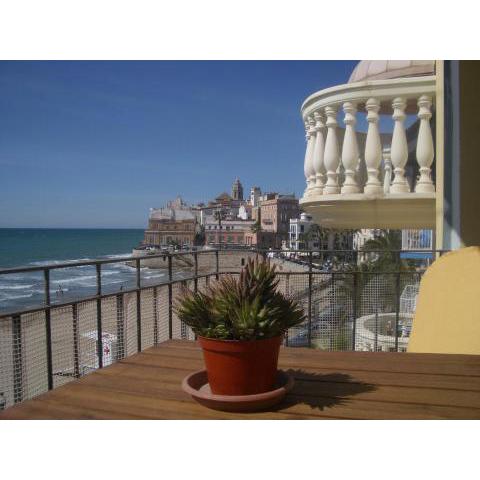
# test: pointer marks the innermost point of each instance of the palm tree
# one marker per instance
(387, 246)
(256, 227)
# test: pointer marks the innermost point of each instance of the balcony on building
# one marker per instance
(369, 160)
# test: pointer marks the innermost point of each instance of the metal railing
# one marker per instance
(46, 345)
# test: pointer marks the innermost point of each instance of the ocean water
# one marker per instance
(34, 247)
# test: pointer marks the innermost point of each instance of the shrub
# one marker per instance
(247, 308)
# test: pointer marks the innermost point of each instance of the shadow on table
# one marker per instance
(322, 390)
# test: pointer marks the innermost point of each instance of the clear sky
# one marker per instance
(96, 144)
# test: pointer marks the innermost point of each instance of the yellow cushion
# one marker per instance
(447, 317)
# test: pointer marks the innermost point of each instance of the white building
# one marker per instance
(245, 212)
(299, 228)
(255, 194)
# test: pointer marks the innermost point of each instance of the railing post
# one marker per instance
(195, 281)
(99, 316)
(318, 153)
(425, 149)
(309, 299)
(287, 293)
(350, 156)
(17, 359)
(373, 148)
(170, 296)
(355, 309)
(332, 155)
(139, 306)
(155, 316)
(48, 329)
(76, 342)
(120, 327)
(397, 309)
(399, 148)
(308, 162)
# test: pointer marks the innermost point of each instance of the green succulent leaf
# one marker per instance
(246, 308)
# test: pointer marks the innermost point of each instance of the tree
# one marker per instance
(387, 257)
(199, 238)
(256, 227)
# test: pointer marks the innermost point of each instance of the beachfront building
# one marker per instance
(227, 231)
(275, 213)
(173, 224)
(225, 204)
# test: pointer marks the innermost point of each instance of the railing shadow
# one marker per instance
(320, 391)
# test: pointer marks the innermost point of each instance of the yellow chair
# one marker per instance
(447, 317)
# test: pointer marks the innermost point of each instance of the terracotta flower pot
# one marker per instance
(241, 367)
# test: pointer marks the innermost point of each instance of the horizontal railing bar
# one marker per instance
(102, 261)
(90, 298)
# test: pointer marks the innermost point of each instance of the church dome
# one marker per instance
(386, 69)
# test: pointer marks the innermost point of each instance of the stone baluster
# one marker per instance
(331, 156)
(350, 158)
(425, 150)
(387, 162)
(399, 148)
(373, 148)
(307, 164)
(318, 153)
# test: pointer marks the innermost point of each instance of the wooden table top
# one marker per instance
(335, 385)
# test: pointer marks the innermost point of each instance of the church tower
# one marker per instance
(237, 190)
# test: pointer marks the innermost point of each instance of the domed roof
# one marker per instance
(385, 69)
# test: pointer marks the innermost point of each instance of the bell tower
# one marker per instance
(237, 190)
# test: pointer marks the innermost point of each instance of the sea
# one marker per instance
(38, 247)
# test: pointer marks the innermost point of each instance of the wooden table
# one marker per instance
(342, 385)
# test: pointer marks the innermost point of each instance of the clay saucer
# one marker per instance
(196, 385)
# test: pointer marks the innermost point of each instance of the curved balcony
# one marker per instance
(368, 179)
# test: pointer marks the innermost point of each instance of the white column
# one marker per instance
(373, 148)
(318, 153)
(307, 164)
(399, 148)
(387, 162)
(332, 156)
(350, 149)
(425, 150)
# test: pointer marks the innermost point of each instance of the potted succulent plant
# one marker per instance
(240, 324)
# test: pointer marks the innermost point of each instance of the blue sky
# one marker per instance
(96, 144)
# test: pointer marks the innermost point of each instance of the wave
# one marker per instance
(15, 297)
(148, 277)
(14, 287)
(79, 279)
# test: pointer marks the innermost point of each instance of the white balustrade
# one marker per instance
(373, 148)
(318, 154)
(333, 169)
(350, 157)
(399, 148)
(358, 179)
(425, 150)
(332, 155)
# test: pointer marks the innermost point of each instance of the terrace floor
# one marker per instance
(348, 385)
